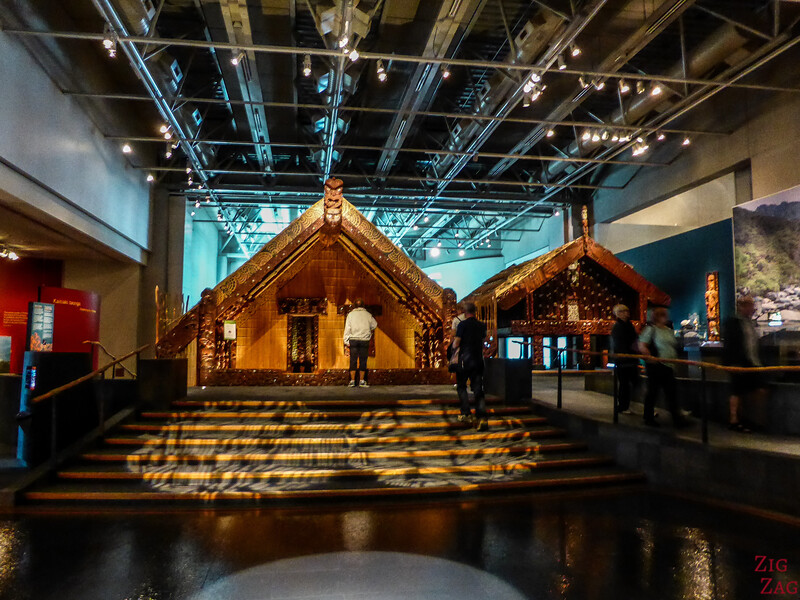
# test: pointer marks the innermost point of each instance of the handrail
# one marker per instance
(72, 384)
(103, 348)
(679, 361)
(695, 363)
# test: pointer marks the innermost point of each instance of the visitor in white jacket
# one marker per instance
(358, 328)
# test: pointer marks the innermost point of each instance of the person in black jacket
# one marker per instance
(740, 349)
(470, 335)
(625, 340)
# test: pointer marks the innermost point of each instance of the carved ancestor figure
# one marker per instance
(333, 211)
(712, 305)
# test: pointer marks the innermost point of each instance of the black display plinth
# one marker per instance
(74, 411)
(162, 380)
(509, 378)
(9, 406)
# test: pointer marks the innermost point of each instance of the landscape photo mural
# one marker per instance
(767, 256)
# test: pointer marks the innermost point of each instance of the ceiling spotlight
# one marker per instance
(686, 141)
(230, 233)
(126, 149)
(438, 244)
(168, 153)
(188, 170)
(307, 65)
(660, 136)
(562, 64)
(445, 71)
(197, 203)
(582, 82)
(537, 92)
(426, 219)
(640, 149)
(435, 252)
(595, 137)
(456, 234)
(624, 88)
(461, 253)
(575, 51)
(527, 87)
(640, 87)
(381, 71)
(150, 177)
(219, 215)
(556, 212)
(550, 133)
(354, 55)
(535, 77)
(604, 135)
(238, 58)
(208, 199)
(415, 227)
(526, 101)
(164, 128)
(167, 135)
(13, 255)
(599, 85)
(343, 41)
(488, 244)
(110, 40)
(656, 90)
(587, 135)
(191, 214)
(614, 137)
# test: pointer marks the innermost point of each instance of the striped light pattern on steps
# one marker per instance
(220, 449)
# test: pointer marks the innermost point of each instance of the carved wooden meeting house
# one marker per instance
(290, 301)
(568, 292)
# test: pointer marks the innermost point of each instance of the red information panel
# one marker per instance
(77, 318)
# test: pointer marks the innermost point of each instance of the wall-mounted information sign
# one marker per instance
(229, 330)
(40, 326)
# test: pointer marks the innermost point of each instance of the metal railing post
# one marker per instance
(703, 404)
(615, 387)
(558, 403)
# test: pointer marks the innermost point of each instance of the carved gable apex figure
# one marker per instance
(333, 211)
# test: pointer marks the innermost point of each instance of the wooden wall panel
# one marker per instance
(261, 336)
(330, 274)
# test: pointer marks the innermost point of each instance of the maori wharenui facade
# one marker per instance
(569, 291)
(290, 301)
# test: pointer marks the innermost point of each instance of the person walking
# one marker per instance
(358, 328)
(658, 340)
(470, 335)
(625, 340)
(740, 349)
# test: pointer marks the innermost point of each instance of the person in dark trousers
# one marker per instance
(740, 349)
(625, 340)
(358, 328)
(658, 340)
(469, 339)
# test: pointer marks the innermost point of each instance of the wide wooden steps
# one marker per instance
(215, 447)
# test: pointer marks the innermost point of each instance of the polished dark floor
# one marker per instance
(636, 545)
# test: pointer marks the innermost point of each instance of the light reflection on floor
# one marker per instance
(362, 576)
(565, 547)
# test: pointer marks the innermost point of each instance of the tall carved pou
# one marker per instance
(333, 211)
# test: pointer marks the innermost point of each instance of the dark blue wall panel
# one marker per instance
(678, 265)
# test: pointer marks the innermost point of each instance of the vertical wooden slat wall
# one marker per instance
(332, 274)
